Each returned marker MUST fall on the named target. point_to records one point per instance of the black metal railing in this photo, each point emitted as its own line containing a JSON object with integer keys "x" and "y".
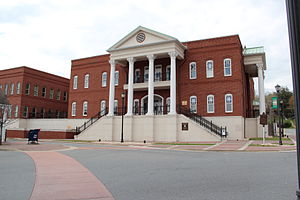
{"x": 91, "y": 121}
{"x": 41, "y": 115}
{"x": 158, "y": 76}
{"x": 221, "y": 131}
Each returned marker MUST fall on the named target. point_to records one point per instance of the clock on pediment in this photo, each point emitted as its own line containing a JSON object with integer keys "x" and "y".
{"x": 140, "y": 37}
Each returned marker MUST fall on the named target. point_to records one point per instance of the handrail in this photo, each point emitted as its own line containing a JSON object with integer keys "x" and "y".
{"x": 91, "y": 121}
{"x": 221, "y": 131}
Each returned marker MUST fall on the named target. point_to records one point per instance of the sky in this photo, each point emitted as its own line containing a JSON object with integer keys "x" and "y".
{"x": 48, "y": 34}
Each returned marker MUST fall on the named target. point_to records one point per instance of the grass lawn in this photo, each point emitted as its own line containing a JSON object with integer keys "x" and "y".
{"x": 270, "y": 138}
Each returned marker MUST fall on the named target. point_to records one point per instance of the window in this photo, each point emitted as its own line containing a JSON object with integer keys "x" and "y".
{"x": 104, "y": 79}
{"x": 25, "y": 111}
{"x": 73, "y": 109}
{"x": 210, "y": 104}
{"x": 33, "y": 114}
{"x": 146, "y": 74}
{"x": 75, "y": 82}
{"x": 16, "y": 111}
{"x": 209, "y": 69}
{"x": 137, "y": 76}
{"x": 58, "y": 95}
{"x": 116, "y": 106}
{"x": 36, "y": 90}
{"x": 193, "y": 70}
{"x": 6, "y": 89}
{"x": 9, "y": 110}
{"x": 168, "y": 103}
{"x": 44, "y": 90}
{"x": 136, "y": 107}
{"x": 12, "y": 87}
{"x": 86, "y": 80}
{"x": 51, "y": 95}
{"x": 85, "y": 108}
{"x": 117, "y": 78}
{"x": 27, "y": 89}
{"x": 168, "y": 73}
{"x": 102, "y": 107}
{"x": 227, "y": 67}
{"x": 43, "y": 111}
{"x": 228, "y": 103}
{"x": 18, "y": 87}
{"x": 65, "y": 98}
{"x": 193, "y": 104}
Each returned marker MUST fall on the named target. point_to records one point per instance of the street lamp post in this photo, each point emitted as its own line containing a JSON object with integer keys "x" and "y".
{"x": 278, "y": 88}
{"x": 122, "y": 129}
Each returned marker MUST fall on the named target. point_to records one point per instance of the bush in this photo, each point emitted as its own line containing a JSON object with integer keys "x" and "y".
{"x": 287, "y": 124}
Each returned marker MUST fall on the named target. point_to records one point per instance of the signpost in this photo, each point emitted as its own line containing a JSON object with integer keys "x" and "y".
{"x": 263, "y": 120}
{"x": 274, "y": 102}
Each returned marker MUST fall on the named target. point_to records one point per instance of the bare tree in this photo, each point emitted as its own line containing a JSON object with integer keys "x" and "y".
{"x": 4, "y": 111}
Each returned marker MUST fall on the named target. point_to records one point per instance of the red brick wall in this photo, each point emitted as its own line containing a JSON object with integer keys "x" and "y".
{"x": 216, "y": 49}
{"x": 34, "y": 77}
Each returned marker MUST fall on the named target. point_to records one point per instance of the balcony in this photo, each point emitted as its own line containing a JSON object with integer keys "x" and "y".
{"x": 140, "y": 83}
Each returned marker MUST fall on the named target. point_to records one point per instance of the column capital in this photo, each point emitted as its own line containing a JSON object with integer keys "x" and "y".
{"x": 131, "y": 59}
{"x": 260, "y": 66}
{"x": 151, "y": 57}
{"x": 173, "y": 54}
{"x": 112, "y": 62}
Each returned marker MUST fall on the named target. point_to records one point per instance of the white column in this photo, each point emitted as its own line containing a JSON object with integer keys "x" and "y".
{"x": 111, "y": 88}
{"x": 151, "y": 84}
{"x": 131, "y": 61}
{"x": 173, "y": 56}
{"x": 261, "y": 89}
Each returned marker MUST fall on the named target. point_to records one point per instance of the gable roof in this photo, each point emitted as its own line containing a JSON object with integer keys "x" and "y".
{"x": 135, "y": 31}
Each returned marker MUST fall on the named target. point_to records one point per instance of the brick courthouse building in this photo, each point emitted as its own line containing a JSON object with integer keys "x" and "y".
{"x": 164, "y": 80}
{"x": 172, "y": 91}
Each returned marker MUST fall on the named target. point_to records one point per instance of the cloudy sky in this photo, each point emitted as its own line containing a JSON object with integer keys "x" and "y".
{"x": 48, "y": 34}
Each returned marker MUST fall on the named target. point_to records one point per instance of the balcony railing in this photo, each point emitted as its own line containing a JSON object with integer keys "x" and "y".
{"x": 158, "y": 76}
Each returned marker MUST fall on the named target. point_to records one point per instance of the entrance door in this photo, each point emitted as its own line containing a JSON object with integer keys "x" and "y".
{"x": 158, "y": 106}
{"x": 158, "y": 73}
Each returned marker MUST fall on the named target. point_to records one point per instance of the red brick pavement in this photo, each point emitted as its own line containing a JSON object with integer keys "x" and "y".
{"x": 61, "y": 177}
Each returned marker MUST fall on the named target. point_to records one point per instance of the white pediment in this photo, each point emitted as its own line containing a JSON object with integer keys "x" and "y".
{"x": 139, "y": 37}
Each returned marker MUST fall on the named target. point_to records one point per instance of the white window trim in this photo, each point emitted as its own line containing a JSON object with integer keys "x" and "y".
{"x": 51, "y": 94}
{"x": 75, "y": 82}
{"x": 225, "y": 67}
{"x": 84, "y": 104}
{"x": 168, "y": 67}
{"x": 58, "y": 94}
{"x": 191, "y": 103}
{"x": 104, "y": 81}
{"x": 18, "y": 88}
{"x": 12, "y": 88}
{"x": 229, "y": 111}
{"x": 212, "y": 74}
{"x": 16, "y": 111}
{"x": 146, "y": 69}
{"x": 190, "y": 66}
{"x": 28, "y": 89}
{"x": 36, "y": 90}
{"x": 135, "y": 77}
{"x": 86, "y": 80}
{"x": 73, "y": 109}
{"x": 102, "y": 110}
{"x": 208, "y": 96}
{"x": 45, "y": 92}
{"x": 117, "y": 78}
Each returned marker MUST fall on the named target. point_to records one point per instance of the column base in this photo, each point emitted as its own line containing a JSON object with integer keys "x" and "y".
{"x": 128, "y": 114}
{"x": 172, "y": 113}
{"x": 149, "y": 114}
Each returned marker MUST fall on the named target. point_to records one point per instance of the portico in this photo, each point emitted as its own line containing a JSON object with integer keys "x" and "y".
{"x": 140, "y": 45}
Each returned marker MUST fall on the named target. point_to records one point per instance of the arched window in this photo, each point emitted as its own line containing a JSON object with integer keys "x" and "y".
{"x": 193, "y": 104}
{"x": 168, "y": 103}
{"x": 228, "y": 103}
{"x": 75, "y": 82}
{"x": 227, "y": 67}
{"x": 12, "y": 87}
{"x": 85, "y": 108}
{"x": 86, "y": 80}
{"x": 210, "y": 103}
{"x": 193, "y": 70}
{"x": 209, "y": 69}
{"x": 18, "y": 87}
{"x": 104, "y": 79}
{"x": 102, "y": 107}
{"x": 73, "y": 109}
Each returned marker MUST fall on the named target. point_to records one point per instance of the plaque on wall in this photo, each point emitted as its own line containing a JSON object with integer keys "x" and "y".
{"x": 184, "y": 103}
{"x": 185, "y": 126}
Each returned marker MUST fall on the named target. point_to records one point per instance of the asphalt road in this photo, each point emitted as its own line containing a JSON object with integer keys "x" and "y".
{"x": 17, "y": 175}
{"x": 182, "y": 175}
